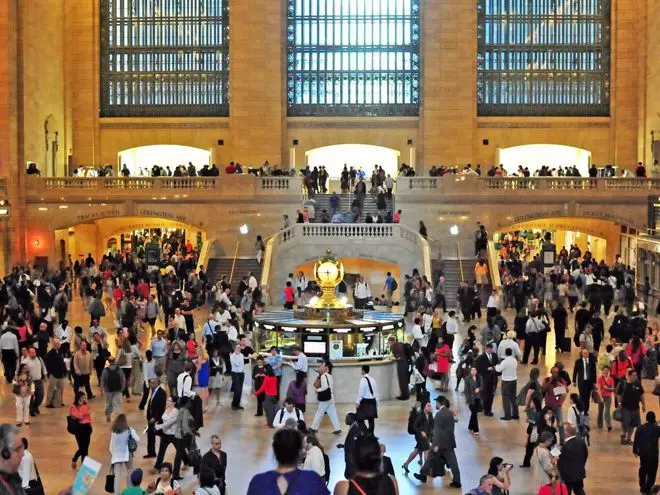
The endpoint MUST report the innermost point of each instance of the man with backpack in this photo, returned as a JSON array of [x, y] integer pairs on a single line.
[[289, 411], [390, 286], [113, 383]]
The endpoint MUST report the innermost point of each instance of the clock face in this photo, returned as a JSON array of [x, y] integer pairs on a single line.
[[327, 272]]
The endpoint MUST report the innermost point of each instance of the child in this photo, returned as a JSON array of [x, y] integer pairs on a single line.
[[23, 389]]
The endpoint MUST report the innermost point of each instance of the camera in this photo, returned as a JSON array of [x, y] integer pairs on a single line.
[[507, 467]]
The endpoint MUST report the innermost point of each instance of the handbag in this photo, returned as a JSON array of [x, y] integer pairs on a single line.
[[194, 454], [368, 408], [416, 377], [110, 481], [324, 395], [71, 425], [132, 444], [35, 487], [618, 414], [595, 396]]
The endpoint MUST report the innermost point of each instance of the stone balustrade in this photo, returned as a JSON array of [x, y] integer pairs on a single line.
[[72, 188]]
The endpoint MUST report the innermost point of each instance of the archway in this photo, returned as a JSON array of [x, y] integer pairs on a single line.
[[363, 156], [139, 160], [534, 156]]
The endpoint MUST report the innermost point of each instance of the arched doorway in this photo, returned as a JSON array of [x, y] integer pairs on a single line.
[[139, 160], [363, 156], [534, 156]]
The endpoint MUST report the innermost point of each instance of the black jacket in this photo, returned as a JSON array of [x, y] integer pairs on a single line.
[[572, 460], [482, 364], [646, 441], [156, 405], [54, 362], [578, 371], [218, 466]]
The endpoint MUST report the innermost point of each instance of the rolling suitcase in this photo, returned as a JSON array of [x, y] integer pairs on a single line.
[[565, 345]]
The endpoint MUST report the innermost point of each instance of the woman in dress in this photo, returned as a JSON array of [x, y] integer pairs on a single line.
[[125, 362], [216, 367], [203, 374], [423, 427]]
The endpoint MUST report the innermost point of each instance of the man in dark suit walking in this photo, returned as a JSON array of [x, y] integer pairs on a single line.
[[155, 409], [572, 461], [485, 365], [646, 448], [584, 376], [444, 443]]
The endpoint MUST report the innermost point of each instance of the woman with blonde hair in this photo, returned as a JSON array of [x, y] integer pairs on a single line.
[[202, 365], [125, 362], [123, 444]]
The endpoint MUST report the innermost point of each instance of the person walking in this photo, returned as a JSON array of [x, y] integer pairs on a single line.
[[584, 376], [82, 365], [10, 353], [56, 372], [572, 461], [79, 410], [444, 443], [324, 393], [369, 478], [509, 370], [645, 447], [367, 400], [113, 382], [23, 389], [472, 391], [125, 363], [535, 332], [402, 366], [166, 429], [123, 443], [215, 461], [605, 387], [184, 434], [422, 426], [630, 394], [37, 369], [157, 397]]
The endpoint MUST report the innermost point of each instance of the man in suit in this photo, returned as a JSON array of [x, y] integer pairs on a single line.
[[444, 443], [485, 365], [155, 409], [572, 461], [584, 376], [646, 448]]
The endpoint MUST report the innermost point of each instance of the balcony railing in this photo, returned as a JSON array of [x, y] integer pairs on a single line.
[[120, 187]]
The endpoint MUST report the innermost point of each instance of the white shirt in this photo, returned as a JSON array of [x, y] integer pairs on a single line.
[[148, 371], [169, 421], [314, 461], [364, 392], [427, 321], [417, 333], [508, 367], [167, 487], [232, 333], [9, 342], [237, 362], [362, 290], [63, 334], [180, 321], [301, 363], [452, 326], [279, 421], [252, 283], [119, 445], [509, 344], [222, 317], [26, 469], [184, 385], [326, 383], [493, 301]]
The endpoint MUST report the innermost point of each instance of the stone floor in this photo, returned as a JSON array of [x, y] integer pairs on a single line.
[[611, 468]]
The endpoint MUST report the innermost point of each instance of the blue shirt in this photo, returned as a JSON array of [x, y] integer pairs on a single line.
[[389, 282], [301, 482], [274, 361], [159, 348]]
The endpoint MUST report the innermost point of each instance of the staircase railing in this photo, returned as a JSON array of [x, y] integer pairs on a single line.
[[460, 260], [494, 266], [203, 259]]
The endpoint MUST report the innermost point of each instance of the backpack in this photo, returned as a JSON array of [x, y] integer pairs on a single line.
[[582, 422], [395, 285], [412, 417], [281, 412], [114, 380], [326, 464]]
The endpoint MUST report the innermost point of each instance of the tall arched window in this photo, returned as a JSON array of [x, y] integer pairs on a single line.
[[353, 57], [164, 58], [543, 57]]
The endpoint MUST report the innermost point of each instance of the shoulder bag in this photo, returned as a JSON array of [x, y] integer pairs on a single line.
[[324, 395], [368, 408]]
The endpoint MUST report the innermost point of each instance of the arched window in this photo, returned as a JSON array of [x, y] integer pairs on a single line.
[[164, 58], [353, 57], [543, 57]]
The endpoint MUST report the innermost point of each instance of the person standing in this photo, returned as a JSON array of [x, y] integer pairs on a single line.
[[10, 353], [535, 332], [79, 410], [630, 394], [275, 361], [215, 460], [572, 461], [444, 443], [37, 370], [237, 376], [367, 400], [472, 390], [82, 365], [301, 364], [159, 351], [402, 366], [56, 370], [112, 383], [560, 322], [269, 390], [605, 387], [509, 370], [485, 365], [584, 376], [645, 447], [155, 409], [324, 394], [554, 390], [23, 390]]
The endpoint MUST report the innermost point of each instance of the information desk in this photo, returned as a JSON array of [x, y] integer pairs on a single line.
[[346, 375]]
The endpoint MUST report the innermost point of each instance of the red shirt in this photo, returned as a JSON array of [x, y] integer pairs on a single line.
[[191, 347], [289, 294], [552, 400], [144, 289], [117, 294], [635, 356], [604, 385], [557, 489], [81, 414], [619, 368], [442, 358], [269, 386]]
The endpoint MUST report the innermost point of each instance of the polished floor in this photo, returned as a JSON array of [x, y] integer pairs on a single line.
[[611, 469]]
